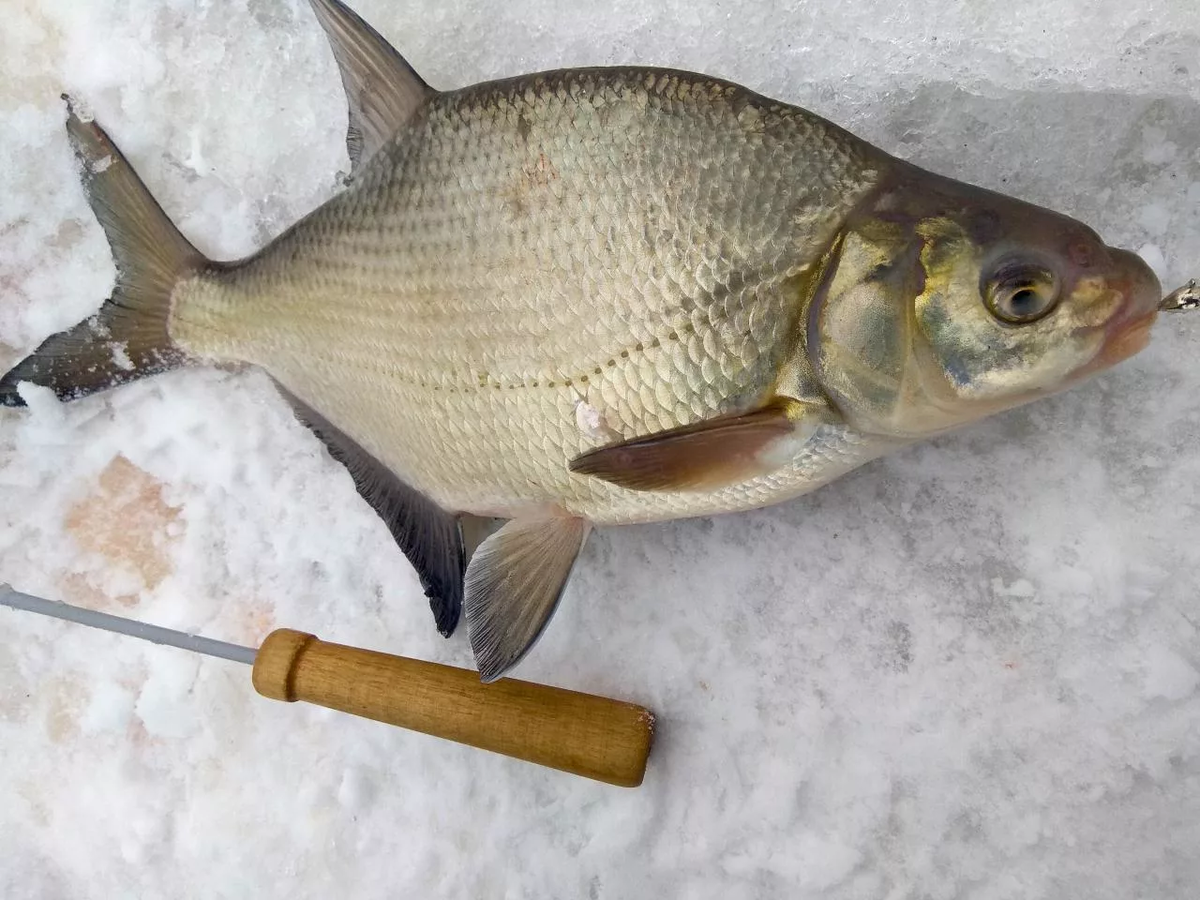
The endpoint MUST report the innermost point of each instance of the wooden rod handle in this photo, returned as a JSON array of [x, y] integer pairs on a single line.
[[595, 737]]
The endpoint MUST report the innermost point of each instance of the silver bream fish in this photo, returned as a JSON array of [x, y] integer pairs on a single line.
[[602, 296]]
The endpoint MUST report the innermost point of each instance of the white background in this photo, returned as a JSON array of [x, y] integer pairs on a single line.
[[970, 670]]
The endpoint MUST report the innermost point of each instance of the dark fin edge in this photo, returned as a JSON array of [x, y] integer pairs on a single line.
[[428, 535], [128, 338]]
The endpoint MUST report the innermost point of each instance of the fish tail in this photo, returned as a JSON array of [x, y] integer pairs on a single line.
[[128, 338]]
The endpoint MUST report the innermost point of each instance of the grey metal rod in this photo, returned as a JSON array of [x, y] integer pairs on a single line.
[[106, 622]]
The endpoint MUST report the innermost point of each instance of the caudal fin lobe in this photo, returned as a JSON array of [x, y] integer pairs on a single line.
[[128, 338]]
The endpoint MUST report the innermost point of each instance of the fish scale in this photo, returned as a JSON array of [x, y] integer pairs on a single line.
[[602, 296], [493, 267]]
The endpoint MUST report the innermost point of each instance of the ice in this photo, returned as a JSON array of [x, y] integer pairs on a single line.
[[968, 670], [1155, 218], [1154, 259], [356, 790], [108, 709], [1169, 676]]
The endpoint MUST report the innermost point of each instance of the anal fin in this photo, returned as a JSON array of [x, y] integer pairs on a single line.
[[428, 535], [514, 582]]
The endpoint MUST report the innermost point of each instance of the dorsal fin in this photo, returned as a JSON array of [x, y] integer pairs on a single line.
[[428, 535], [382, 89]]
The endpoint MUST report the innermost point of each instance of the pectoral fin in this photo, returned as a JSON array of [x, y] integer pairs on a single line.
[[706, 455], [513, 585]]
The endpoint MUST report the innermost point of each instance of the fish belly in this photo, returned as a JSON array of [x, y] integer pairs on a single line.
[[538, 266]]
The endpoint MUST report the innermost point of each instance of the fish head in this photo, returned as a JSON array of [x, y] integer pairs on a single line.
[[942, 303]]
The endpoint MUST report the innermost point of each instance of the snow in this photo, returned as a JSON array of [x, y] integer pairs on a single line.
[[969, 670]]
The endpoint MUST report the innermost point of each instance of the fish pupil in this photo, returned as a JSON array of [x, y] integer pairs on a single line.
[[1025, 301]]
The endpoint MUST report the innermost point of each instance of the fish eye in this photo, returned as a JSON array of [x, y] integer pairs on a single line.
[[1020, 291]]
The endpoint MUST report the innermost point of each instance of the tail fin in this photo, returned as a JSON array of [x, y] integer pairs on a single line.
[[127, 339]]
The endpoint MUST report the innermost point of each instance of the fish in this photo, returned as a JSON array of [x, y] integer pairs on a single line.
[[600, 296]]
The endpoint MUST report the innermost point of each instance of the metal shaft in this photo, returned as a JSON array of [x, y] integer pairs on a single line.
[[106, 622]]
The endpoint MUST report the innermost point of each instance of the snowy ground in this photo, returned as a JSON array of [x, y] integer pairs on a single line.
[[971, 670]]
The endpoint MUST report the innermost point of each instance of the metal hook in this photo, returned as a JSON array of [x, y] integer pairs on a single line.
[[1187, 297]]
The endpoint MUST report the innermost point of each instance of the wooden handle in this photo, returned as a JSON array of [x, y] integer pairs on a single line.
[[579, 733]]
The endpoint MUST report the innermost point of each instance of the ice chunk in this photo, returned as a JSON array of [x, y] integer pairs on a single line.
[[1168, 675]]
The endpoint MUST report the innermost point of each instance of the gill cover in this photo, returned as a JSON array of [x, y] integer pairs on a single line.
[[862, 331]]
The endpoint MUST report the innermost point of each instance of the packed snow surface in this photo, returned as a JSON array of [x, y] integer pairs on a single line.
[[969, 670]]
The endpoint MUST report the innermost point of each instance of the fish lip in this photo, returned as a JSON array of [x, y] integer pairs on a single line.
[[1128, 332], [1127, 338]]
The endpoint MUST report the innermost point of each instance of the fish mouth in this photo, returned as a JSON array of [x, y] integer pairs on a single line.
[[1128, 332], [1127, 338]]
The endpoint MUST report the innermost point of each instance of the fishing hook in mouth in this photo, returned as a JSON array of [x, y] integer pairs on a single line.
[[1186, 297]]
